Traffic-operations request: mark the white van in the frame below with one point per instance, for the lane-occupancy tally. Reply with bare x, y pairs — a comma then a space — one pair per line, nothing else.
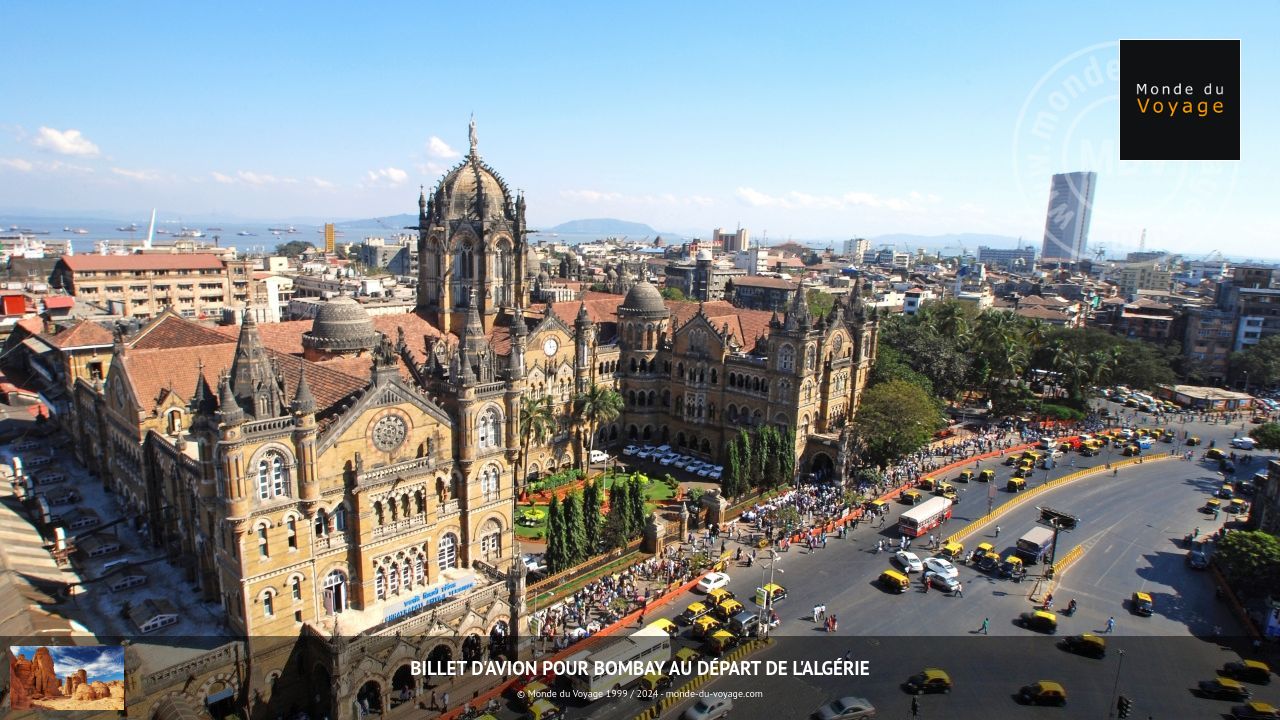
599, 456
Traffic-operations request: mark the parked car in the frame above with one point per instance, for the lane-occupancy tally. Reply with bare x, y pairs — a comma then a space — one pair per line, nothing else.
909, 561
630, 450
713, 581
599, 456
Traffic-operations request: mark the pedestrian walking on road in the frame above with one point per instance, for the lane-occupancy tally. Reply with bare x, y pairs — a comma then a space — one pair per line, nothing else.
986, 625
959, 589
915, 707
434, 705
816, 610
997, 531
1111, 624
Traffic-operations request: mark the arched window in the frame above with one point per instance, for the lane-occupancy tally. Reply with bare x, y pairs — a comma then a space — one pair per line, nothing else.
786, 358
489, 483
466, 268
380, 584
406, 573
713, 376
322, 523
447, 553
175, 421
418, 570
296, 586
269, 603
263, 549
340, 518
810, 357
393, 580
491, 540
273, 482
489, 429
335, 591
291, 531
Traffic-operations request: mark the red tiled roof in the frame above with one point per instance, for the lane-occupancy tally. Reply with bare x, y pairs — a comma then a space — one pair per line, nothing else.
153, 371
83, 334
150, 261
744, 325
1040, 312
59, 302
169, 330
33, 325
601, 308
285, 337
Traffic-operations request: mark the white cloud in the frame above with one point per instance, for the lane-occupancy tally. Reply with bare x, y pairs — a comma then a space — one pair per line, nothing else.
65, 142
796, 200
224, 179
390, 175
617, 198
438, 148
16, 164
259, 179
136, 174
590, 196
322, 184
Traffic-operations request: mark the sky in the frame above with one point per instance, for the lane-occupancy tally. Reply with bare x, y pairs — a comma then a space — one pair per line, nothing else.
808, 121
101, 663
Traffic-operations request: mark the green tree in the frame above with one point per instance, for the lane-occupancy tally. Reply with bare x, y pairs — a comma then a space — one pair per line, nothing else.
635, 508
730, 479
746, 457
889, 365
773, 457
673, 293
1259, 364
617, 527
537, 423
596, 406
1250, 561
1267, 435
575, 529
592, 520
760, 448
895, 419
293, 248
820, 303
557, 558
787, 457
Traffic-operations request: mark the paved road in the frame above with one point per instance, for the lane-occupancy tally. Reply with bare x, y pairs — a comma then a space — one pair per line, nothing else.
1129, 527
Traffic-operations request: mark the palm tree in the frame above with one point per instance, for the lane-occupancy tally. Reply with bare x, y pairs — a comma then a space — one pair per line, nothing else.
537, 423
597, 405
949, 319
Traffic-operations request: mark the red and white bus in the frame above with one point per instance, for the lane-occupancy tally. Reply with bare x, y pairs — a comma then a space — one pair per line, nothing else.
924, 517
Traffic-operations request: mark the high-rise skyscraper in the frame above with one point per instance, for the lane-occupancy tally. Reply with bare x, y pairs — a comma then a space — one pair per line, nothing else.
1066, 226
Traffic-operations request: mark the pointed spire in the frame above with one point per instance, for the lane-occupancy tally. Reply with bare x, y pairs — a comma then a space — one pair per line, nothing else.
583, 318
229, 411
203, 399
474, 326
304, 403
518, 327
254, 379
798, 317
422, 201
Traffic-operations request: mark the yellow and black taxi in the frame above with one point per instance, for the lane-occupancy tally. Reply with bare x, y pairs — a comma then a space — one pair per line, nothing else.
1214, 454
911, 497
948, 491
770, 594
686, 655
1045, 692
1224, 491
717, 596
1221, 688
1237, 506
728, 609
1132, 450
1142, 604
654, 682
666, 626
964, 476
1255, 711
1211, 506
694, 611
1086, 644
1193, 441
1017, 483
951, 550
929, 680
544, 710
987, 475
876, 507
720, 642
926, 484
1252, 671
989, 561
1012, 460
1041, 621
703, 626
894, 581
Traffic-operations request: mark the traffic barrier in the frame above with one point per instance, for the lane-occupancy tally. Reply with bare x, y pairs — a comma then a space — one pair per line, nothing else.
682, 693
1025, 496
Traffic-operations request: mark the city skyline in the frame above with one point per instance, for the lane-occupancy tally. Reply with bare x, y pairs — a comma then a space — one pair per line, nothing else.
813, 126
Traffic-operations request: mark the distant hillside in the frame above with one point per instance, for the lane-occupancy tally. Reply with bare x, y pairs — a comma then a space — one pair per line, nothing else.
394, 221
970, 241
602, 226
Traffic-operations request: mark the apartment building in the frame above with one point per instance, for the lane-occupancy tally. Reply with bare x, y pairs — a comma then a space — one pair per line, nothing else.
143, 285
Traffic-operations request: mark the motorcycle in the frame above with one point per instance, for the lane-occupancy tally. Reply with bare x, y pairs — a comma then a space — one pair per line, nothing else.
1071, 609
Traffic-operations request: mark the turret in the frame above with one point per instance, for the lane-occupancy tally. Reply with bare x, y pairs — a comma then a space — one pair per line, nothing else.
229, 412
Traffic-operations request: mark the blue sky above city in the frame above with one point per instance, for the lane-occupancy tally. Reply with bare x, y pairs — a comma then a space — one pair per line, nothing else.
807, 121
101, 663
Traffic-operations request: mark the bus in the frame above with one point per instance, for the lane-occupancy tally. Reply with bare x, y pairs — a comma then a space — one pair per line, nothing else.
924, 517
648, 644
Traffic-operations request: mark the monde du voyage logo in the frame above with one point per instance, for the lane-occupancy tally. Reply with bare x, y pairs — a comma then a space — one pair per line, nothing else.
1179, 99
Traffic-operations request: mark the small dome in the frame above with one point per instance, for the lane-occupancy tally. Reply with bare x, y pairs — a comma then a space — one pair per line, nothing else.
644, 297
341, 325
704, 254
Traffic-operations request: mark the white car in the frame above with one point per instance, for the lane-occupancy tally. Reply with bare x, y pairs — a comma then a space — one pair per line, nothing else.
599, 456
706, 471
680, 461
846, 708
695, 466
715, 474
709, 708
664, 449
909, 561
630, 450
668, 459
644, 453
1243, 443
941, 566
713, 581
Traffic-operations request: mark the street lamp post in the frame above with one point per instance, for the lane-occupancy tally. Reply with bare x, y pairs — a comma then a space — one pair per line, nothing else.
1115, 689
767, 605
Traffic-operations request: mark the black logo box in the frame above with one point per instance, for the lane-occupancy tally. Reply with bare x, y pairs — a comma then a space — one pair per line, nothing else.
1154, 124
